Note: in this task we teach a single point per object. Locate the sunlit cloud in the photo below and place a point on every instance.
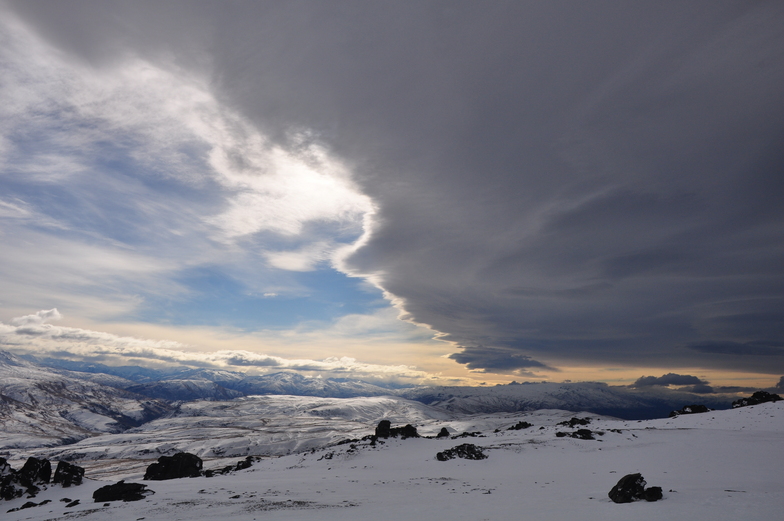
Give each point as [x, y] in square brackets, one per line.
[35, 334]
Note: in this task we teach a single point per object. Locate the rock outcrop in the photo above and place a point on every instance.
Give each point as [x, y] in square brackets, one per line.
[181, 465]
[756, 398]
[16, 483]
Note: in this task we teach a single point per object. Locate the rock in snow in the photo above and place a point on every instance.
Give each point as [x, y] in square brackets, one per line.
[122, 491]
[756, 398]
[689, 409]
[68, 474]
[181, 465]
[385, 430]
[465, 451]
[631, 487]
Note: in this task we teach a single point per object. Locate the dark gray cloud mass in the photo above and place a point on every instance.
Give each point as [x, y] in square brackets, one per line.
[668, 379]
[568, 182]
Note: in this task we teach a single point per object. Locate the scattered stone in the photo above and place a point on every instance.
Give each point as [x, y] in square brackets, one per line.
[443, 433]
[181, 465]
[575, 422]
[631, 487]
[519, 426]
[756, 398]
[122, 491]
[68, 474]
[465, 451]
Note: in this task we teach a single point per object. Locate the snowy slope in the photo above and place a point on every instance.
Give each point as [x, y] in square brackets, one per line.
[39, 407]
[722, 465]
[255, 425]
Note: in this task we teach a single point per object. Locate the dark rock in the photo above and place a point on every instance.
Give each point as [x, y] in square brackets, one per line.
[29, 504]
[9, 484]
[122, 491]
[653, 494]
[35, 471]
[629, 488]
[466, 434]
[465, 451]
[72, 503]
[68, 474]
[580, 434]
[181, 465]
[575, 422]
[690, 409]
[385, 430]
[756, 398]
[520, 425]
[244, 464]
[408, 431]
[443, 433]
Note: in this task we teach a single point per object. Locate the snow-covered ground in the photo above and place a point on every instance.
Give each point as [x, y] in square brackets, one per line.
[721, 465]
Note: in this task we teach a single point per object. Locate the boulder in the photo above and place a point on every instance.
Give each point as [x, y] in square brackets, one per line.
[383, 428]
[181, 465]
[35, 471]
[756, 398]
[465, 451]
[443, 433]
[631, 487]
[68, 474]
[653, 493]
[122, 491]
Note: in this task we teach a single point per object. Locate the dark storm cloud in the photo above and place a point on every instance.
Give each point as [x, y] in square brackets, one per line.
[497, 361]
[668, 379]
[572, 182]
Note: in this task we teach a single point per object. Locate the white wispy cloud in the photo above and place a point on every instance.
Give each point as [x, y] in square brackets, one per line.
[289, 208]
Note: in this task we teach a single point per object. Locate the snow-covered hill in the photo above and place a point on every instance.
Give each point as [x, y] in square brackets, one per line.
[39, 407]
[716, 466]
[252, 426]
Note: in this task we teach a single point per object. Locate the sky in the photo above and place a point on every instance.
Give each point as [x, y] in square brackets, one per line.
[411, 192]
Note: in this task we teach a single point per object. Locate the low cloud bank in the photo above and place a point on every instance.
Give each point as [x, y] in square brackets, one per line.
[34, 334]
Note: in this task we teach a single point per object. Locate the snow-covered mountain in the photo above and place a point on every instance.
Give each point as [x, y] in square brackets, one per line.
[595, 397]
[39, 407]
[182, 383]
